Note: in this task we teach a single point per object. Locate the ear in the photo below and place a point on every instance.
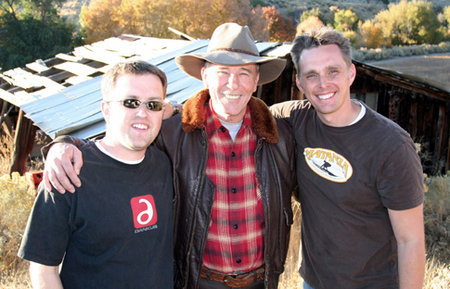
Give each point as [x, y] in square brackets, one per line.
[297, 81]
[256, 82]
[203, 73]
[105, 110]
[352, 72]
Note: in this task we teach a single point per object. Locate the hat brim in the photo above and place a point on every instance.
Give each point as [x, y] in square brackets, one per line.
[270, 68]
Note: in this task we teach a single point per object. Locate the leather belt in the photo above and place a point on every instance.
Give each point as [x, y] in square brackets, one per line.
[234, 280]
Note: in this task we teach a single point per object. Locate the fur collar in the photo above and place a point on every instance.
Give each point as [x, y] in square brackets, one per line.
[264, 125]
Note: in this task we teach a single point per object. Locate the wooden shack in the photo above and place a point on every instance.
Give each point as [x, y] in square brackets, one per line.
[421, 108]
[64, 86]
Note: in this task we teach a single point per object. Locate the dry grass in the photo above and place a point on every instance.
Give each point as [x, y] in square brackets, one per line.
[6, 148]
[16, 199]
[291, 279]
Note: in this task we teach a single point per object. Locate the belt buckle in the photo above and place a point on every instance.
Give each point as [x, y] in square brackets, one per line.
[229, 278]
[238, 280]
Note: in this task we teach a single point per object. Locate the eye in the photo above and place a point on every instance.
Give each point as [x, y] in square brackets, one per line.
[155, 105]
[131, 103]
[311, 76]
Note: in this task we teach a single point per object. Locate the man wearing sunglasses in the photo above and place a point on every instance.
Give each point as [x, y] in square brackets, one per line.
[233, 169]
[116, 231]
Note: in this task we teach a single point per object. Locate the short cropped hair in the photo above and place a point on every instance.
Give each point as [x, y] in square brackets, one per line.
[137, 67]
[319, 37]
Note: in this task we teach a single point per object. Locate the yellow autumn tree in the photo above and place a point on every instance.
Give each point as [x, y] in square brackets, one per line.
[100, 19]
[146, 17]
[105, 18]
[312, 22]
[371, 34]
[199, 18]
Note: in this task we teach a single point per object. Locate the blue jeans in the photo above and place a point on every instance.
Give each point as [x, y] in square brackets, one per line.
[306, 286]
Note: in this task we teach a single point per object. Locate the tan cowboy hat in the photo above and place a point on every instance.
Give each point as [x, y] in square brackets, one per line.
[232, 44]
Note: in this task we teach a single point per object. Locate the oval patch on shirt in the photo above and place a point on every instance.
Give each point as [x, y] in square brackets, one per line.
[328, 164]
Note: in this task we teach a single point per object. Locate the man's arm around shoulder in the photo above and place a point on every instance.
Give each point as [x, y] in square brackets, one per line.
[63, 164]
[285, 109]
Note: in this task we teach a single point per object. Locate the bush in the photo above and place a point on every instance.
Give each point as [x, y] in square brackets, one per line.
[436, 216]
[364, 54]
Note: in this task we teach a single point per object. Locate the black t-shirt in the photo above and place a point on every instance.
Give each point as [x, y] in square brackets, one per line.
[113, 232]
[348, 178]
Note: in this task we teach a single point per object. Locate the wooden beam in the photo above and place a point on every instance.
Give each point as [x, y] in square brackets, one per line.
[438, 139]
[23, 144]
[37, 66]
[29, 81]
[413, 120]
[76, 68]
[104, 56]
[405, 84]
[68, 57]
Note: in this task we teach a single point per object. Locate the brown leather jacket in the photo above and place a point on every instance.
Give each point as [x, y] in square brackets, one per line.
[186, 143]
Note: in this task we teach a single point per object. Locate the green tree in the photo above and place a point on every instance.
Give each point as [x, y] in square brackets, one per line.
[256, 3]
[312, 12]
[28, 33]
[447, 15]
[409, 23]
[345, 20]
[44, 10]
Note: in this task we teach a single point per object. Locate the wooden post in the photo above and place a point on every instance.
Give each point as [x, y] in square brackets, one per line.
[23, 143]
[438, 139]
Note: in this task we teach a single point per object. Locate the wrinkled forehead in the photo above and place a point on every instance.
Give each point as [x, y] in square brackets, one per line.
[251, 68]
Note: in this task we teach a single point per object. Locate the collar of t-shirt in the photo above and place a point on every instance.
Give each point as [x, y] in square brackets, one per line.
[103, 150]
[233, 128]
[362, 112]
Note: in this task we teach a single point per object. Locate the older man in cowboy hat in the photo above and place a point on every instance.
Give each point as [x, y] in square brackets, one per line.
[233, 169]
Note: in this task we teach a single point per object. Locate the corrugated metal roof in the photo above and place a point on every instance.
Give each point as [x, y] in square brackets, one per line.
[73, 107]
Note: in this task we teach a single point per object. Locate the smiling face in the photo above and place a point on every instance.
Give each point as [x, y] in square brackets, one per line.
[230, 88]
[130, 131]
[325, 79]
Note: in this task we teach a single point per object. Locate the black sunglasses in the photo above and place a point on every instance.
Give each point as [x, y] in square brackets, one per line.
[152, 105]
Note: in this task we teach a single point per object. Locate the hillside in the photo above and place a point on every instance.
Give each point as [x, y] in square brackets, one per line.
[365, 9]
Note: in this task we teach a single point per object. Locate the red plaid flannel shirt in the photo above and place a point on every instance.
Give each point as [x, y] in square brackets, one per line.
[235, 240]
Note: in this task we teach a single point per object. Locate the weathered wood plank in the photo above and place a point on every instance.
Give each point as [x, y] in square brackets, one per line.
[68, 57]
[29, 81]
[37, 66]
[91, 53]
[76, 68]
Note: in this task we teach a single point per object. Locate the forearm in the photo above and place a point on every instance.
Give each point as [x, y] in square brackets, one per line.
[44, 277]
[411, 264]
[78, 142]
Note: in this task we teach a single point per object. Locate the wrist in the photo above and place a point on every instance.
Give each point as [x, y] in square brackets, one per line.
[176, 107]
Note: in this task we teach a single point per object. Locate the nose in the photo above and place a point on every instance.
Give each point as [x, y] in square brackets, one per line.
[233, 81]
[142, 110]
[323, 80]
